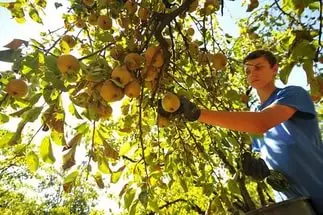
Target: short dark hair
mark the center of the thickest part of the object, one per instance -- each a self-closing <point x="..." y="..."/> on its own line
<point x="270" y="57"/>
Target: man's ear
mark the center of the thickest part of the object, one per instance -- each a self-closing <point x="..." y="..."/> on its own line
<point x="275" y="68"/>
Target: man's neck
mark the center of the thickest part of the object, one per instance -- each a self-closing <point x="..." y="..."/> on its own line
<point x="265" y="92"/>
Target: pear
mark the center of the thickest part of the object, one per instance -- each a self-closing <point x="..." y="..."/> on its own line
<point x="151" y="73"/>
<point x="17" y="88"/>
<point x="133" y="61"/>
<point x="219" y="61"/>
<point x="111" y="92"/>
<point x="122" y="75"/>
<point x="170" y="102"/>
<point x="130" y="6"/>
<point x="132" y="90"/>
<point x="143" y="14"/>
<point x="162" y="122"/>
<point x="69" y="40"/>
<point x="68" y="64"/>
<point x="104" y="22"/>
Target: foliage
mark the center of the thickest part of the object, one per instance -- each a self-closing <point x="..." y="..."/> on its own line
<point x="183" y="168"/>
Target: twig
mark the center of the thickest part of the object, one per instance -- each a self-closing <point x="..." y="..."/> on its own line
<point x="94" y="53"/>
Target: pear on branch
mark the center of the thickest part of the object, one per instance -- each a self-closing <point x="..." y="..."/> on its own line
<point x="133" y="61"/>
<point x="110" y="92"/>
<point x="68" y="64"/>
<point x="17" y="88"/>
<point x="69" y="40"/>
<point x="121" y="75"/>
<point x="154" y="56"/>
<point x="104" y="22"/>
<point x="219" y="61"/>
<point x="143" y="14"/>
<point x="170" y="102"/>
<point x="162" y="122"/>
<point x="132" y="90"/>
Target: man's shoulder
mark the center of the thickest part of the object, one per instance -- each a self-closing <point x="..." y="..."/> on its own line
<point x="292" y="90"/>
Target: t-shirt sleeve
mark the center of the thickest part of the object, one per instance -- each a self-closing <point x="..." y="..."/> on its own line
<point x="298" y="98"/>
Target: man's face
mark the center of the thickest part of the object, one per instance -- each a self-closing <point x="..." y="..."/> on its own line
<point x="259" y="72"/>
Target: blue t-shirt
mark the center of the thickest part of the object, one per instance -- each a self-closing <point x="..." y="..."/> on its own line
<point x="294" y="147"/>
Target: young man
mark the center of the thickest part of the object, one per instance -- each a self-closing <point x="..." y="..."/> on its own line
<point x="291" y="141"/>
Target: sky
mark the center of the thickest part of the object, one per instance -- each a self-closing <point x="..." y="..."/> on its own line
<point x="11" y="30"/>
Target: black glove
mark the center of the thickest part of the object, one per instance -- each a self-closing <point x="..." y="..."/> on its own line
<point x="278" y="181"/>
<point x="256" y="168"/>
<point x="189" y="109"/>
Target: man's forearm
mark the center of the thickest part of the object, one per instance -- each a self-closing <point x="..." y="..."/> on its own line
<point x="251" y="122"/>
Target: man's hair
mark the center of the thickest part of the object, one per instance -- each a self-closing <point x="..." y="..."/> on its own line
<point x="270" y="57"/>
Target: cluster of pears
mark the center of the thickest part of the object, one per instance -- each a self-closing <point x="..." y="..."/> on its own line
<point x="170" y="103"/>
<point x="17" y="88"/>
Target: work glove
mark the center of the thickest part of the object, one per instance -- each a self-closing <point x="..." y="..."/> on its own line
<point x="278" y="181"/>
<point x="254" y="167"/>
<point x="190" y="110"/>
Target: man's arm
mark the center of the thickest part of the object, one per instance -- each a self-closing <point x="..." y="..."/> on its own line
<point x="252" y="122"/>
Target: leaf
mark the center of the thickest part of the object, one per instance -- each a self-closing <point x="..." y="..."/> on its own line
<point x="304" y="49"/>
<point x="9" y="55"/>
<point x="109" y="151"/>
<point x="33" y="14"/>
<point x="16" y="43"/>
<point x="32" y="114"/>
<point x="233" y="187"/>
<point x="73" y="111"/>
<point x="285" y="71"/>
<point x="143" y="198"/>
<point x="115" y="176"/>
<point x="98" y="180"/>
<point x="103" y="166"/>
<point x="32" y="161"/>
<point x="5" y="137"/>
<point x="41" y="3"/>
<point x="133" y="208"/>
<point x="3" y="118"/>
<point x="308" y="66"/>
<point x="124" y="149"/>
<point x="58" y="138"/>
<point x="69" y="181"/>
<point x="57" y="5"/>
<point x="46" y="151"/>
<point x="75" y="141"/>
<point x="128" y="197"/>
<point x="69" y="158"/>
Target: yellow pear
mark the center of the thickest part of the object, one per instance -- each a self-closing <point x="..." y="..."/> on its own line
<point x="17" y="88"/>
<point x="162" y="122"/>
<point x="132" y="90"/>
<point x="111" y="92"/>
<point x="130" y="6"/>
<point x="194" y="48"/>
<point x="104" y="22"/>
<point x="151" y="73"/>
<point x="88" y="2"/>
<point x="80" y="23"/>
<point x="150" y="54"/>
<point x="93" y="19"/>
<point x="69" y="40"/>
<point x="68" y="64"/>
<point x="105" y="111"/>
<point x="122" y="75"/>
<point x="132" y="61"/>
<point x="143" y="13"/>
<point x="210" y="6"/>
<point x="170" y="102"/>
<point x="158" y="60"/>
<point x="116" y="52"/>
<point x="190" y="31"/>
<point x="219" y="61"/>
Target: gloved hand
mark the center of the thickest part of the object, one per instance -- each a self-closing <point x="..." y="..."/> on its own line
<point x="254" y="167"/>
<point x="190" y="110"/>
<point x="278" y="181"/>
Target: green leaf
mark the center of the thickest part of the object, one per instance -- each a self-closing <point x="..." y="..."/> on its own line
<point x="9" y="55"/>
<point x="33" y="14"/>
<point x="41" y="3"/>
<point x="233" y="187"/>
<point x="98" y="180"/>
<point x="58" y="138"/>
<point x="133" y="207"/>
<point x="69" y="158"/>
<point x="103" y="166"/>
<point x="32" y="161"/>
<point x="143" y="198"/>
<point x="115" y="176"/>
<point x="308" y="66"/>
<point x="69" y="181"/>
<point x="285" y="71"/>
<point x="32" y="114"/>
<point x="128" y="197"/>
<point x="304" y="49"/>
<point x="73" y="111"/>
<point x="46" y="151"/>
<point x="3" y="118"/>
<point x="124" y="149"/>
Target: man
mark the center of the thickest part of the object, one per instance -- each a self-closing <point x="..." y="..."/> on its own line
<point x="286" y="118"/>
